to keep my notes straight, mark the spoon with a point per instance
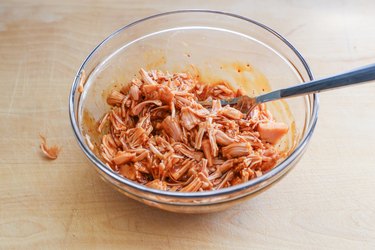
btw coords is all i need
(359, 75)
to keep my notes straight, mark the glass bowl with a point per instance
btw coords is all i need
(217, 46)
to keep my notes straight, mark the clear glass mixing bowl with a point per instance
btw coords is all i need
(221, 46)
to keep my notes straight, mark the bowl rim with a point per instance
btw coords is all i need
(204, 194)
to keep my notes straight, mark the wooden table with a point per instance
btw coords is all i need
(328, 200)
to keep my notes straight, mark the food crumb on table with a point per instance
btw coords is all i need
(49, 152)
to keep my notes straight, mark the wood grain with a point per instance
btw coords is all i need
(328, 201)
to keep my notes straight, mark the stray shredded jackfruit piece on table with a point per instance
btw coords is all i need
(49, 152)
